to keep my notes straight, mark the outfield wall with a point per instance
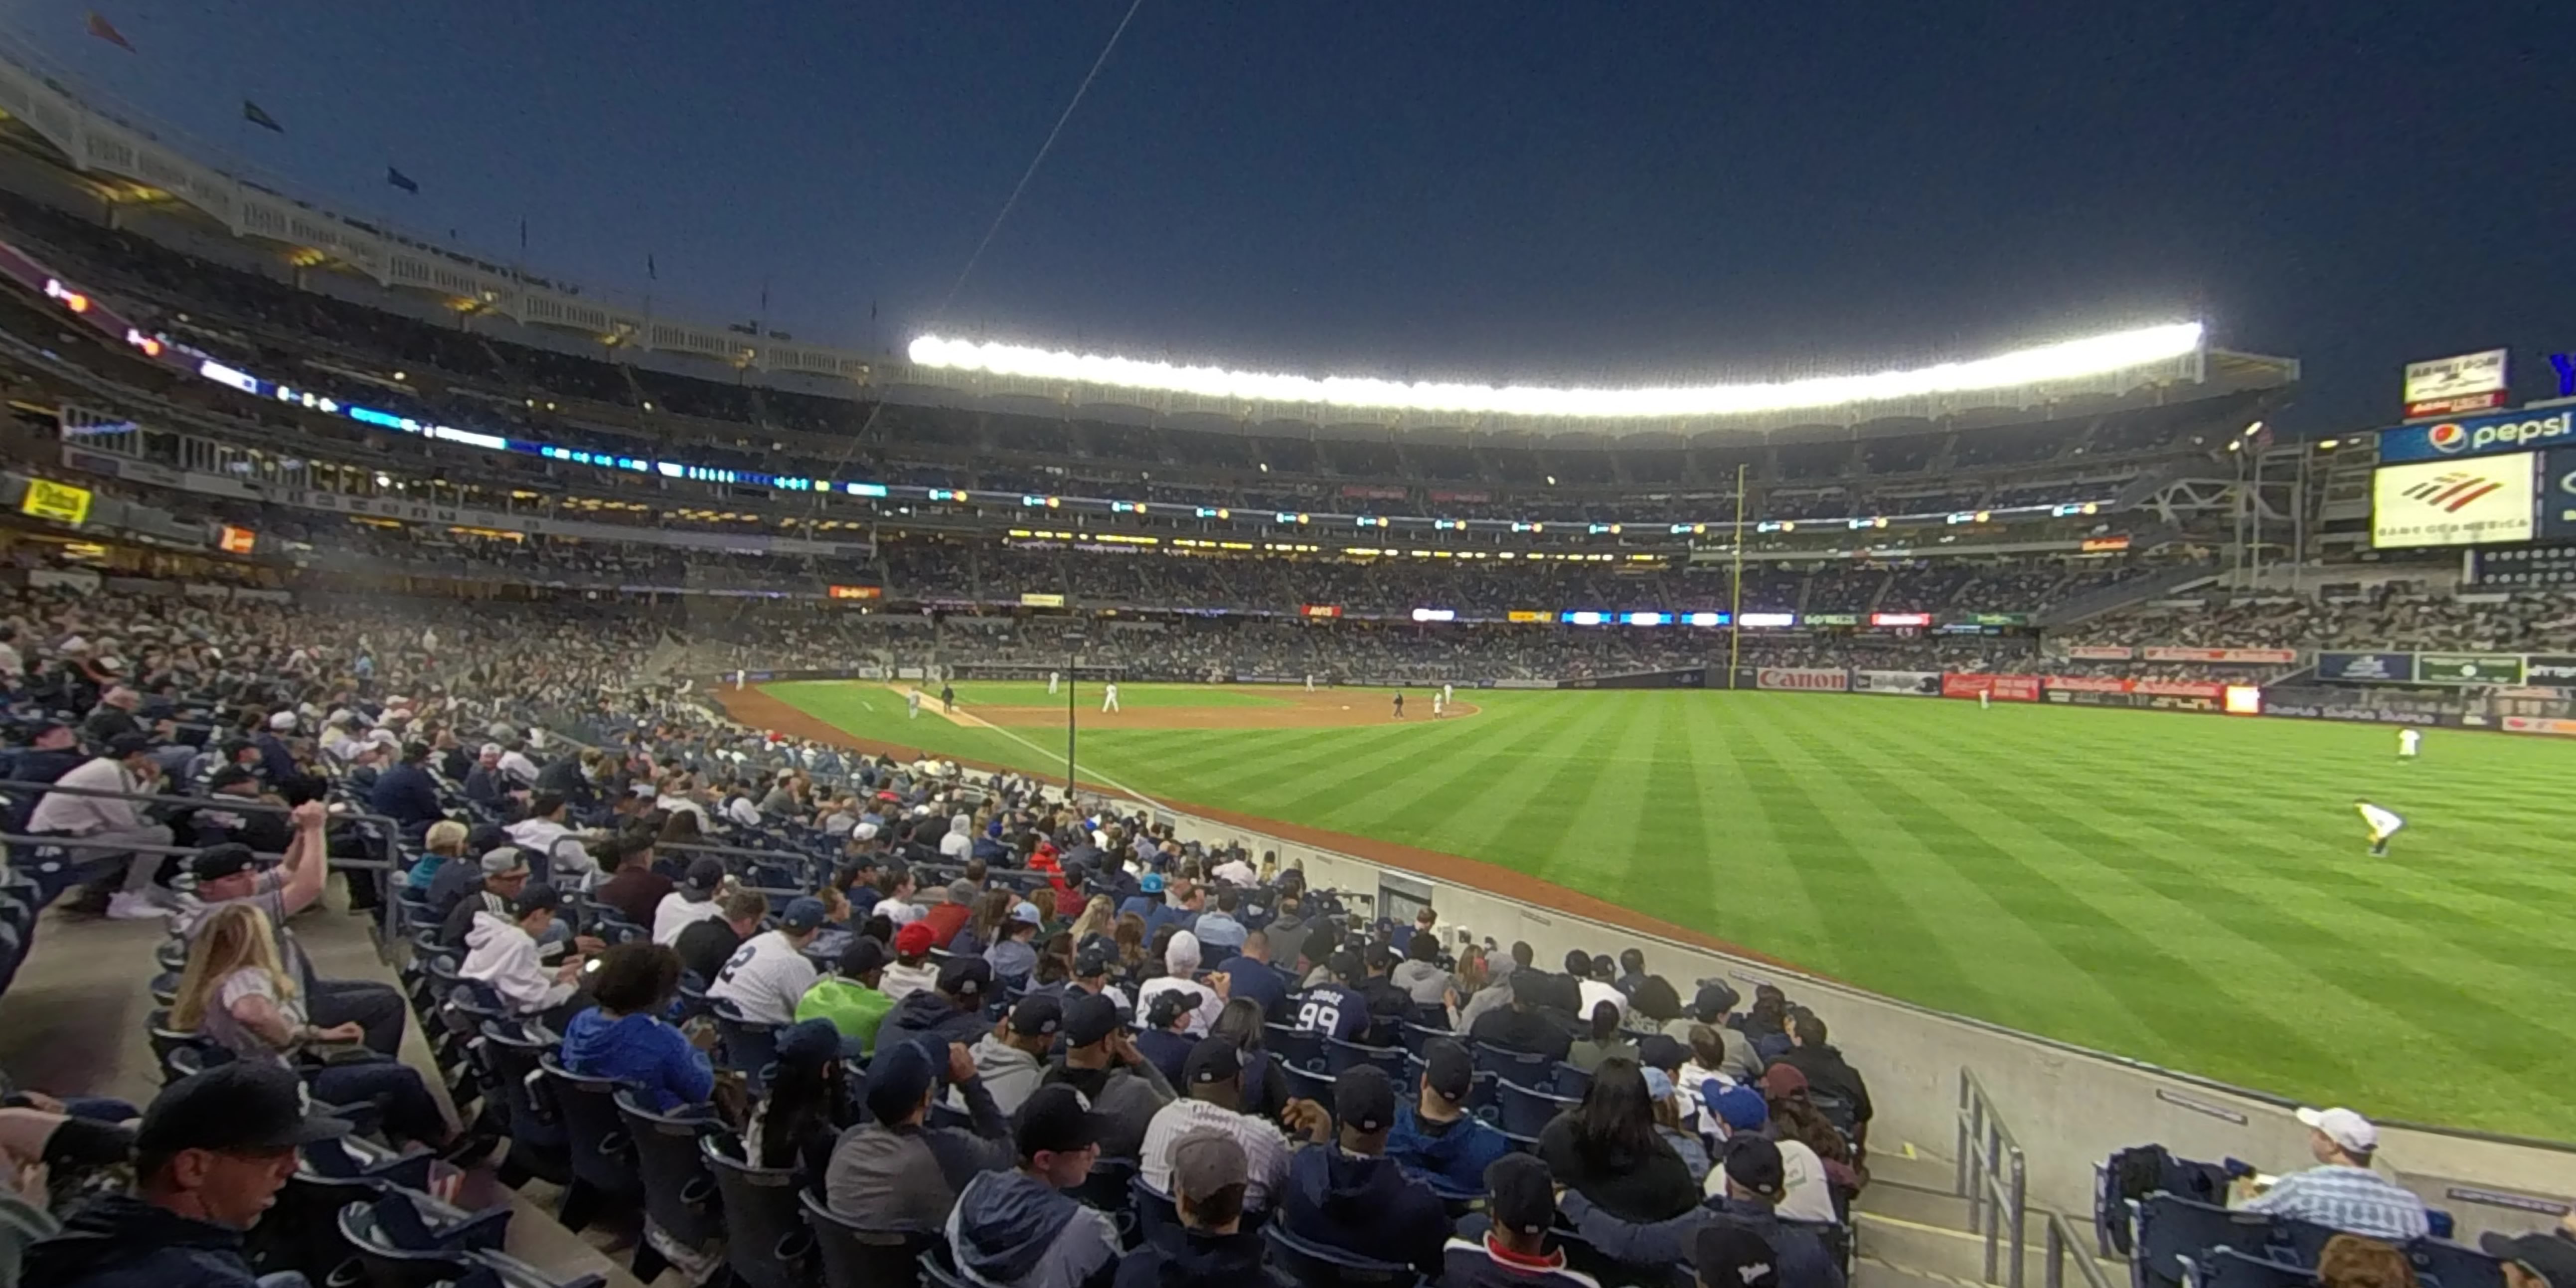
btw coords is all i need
(2070, 1108)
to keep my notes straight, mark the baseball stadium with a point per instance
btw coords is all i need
(515, 782)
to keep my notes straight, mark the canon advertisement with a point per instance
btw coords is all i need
(1811, 679)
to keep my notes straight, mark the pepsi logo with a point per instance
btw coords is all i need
(2447, 436)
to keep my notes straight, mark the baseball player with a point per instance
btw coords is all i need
(912, 703)
(1439, 701)
(1109, 697)
(2409, 740)
(1052, 678)
(2383, 823)
(1399, 704)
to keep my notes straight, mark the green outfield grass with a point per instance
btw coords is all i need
(1022, 693)
(2189, 890)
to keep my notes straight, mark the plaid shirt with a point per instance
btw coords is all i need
(2353, 1199)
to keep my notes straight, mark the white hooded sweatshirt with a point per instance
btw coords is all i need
(500, 954)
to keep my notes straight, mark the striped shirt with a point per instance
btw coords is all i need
(2356, 1200)
(1265, 1150)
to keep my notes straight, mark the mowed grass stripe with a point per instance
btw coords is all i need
(1761, 902)
(1456, 765)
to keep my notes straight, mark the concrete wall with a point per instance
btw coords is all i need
(2069, 1108)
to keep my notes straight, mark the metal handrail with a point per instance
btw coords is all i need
(1993, 1179)
(2062, 1243)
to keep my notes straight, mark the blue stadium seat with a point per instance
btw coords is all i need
(767, 1241)
(1309, 1264)
(856, 1258)
(2174, 1233)
(2454, 1265)
(1527, 1112)
(1340, 1056)
(1297, 1048)
(1515, 1066)
(2229, 1268)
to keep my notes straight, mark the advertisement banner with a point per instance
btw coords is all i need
(1528, 615)
(2557, 670)
(1992, 619)
(2448, 386)
(1463, 498)
(1320, 610)
(2367, 668)
(60, 502)
(1036, 599)
(2453, 503)
(2239, 656)
(1912, 684)
(1900, 619)
(2100, 653)
(854, 592)
(1812, 679)
(2179, 689)
(1365, 492)
(2086, 683)
(2536, 724)
(1833, 619)
(2468, 668)
(2477, 435)
(2558, 495)
(2005, 688)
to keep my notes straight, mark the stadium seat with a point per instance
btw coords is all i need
(679, 1191)
(2454, 1265)
(2173, 1233)
(1308, 1084)
(1295, 1047)
(749, 1049)
(768, 1243)
(1339, 1056)
(1566, 1080)
(387, 1263)
(603, 1156)
(1526, 1112)
(1514, 1066)
(1308, 1264)
(2229, 1268)
(540, 1143)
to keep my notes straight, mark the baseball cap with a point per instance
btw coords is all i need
(1730, 1256)
(1058, 1120)
(1167, 1008)
(1091, 962)
(2344, 1127)
(219, 861)
(1345, 964)
(1026, 911)
(539, 897)
(1088, 1017)
(1740, 1108)
(2548, 1255)
(804, 912)
(1523, 1194)
(967, 978)
(1205, 1160)
(1448, 1070)
(1037, 1015)
(915, 940)
(236, 1108)
(1782, 1080)
(503, 860)
(1152, 883)
(1715, 998)
(1212, 1060)
(1754, 1163)
(704, 876)
(128, 744)
(898, 1078)
(1659, 1084)
(229, 776)
(282, 721)
(863, 955)
(1661, 1051)
(815, 1041)
(1363, 1099)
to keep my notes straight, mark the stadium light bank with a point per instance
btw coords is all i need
(2066, 360)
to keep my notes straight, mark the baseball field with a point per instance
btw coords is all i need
(2185, 889)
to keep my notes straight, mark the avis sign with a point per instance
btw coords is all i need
(2450, 386)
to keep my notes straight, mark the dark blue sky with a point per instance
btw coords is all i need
(1568, 191)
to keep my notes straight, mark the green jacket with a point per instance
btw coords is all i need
(852, 1007)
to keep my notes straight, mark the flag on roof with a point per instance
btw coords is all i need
(257, 115)
(403, 181)
(105, 30)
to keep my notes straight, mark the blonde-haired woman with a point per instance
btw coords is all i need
(1099, 917)
(235, 993)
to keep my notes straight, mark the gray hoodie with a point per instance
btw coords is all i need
(1425, 982)
(1010, 1073)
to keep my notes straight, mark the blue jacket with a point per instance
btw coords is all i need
(1457, 1156)
(406, 795)
(1365, 1204)
(122, 1242)
(642, 1052)
(1804, 1261)
(1256, 980)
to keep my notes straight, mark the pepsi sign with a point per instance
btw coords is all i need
(2511, 431)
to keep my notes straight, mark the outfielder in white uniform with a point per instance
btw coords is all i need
(1109, 697)
(2407, 742)
(1448, 694)
(1439, 702)
(1310, 681)
(2384, 823)
(1052, 677)
(912, 703)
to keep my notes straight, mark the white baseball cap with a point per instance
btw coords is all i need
(2344, 1127)
(282, 720)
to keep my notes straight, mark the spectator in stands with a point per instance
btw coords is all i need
(1201, 1002)
(484, 784)
(707, 944)
(2546, 1260)
(1212, 1099)
(234, 991)
(946, 919)
(1514, 1253)
(224, 876)
(1434, 1134)
(406, 793)
(623, 1035)
(1420, 975)
(1711, 1008)
(128, 766)
(565, 850)
(1018, 1228)
(2351, 1261)
(1218, 928)
(1519, 1026)
(1592, 991)
(1349, 1195)
(769, 974)
(1725, 1256)
(455, 881)
(897, 906)
(952, 1011)
(797, 1122)
(1014, 957)
(633, 888)
(692, 901)
(501, 951)
(1474, 990)
(1102, 1062)
(1210, 1177)
(983, 927)
(1827, 1073)
(1752, 1179)
(1607, 1149)
(912, 970)
(210, 1156)
(1288, 930)
(849, 997)
(1249, 975)
(2341, 1190)
(1669, 1122)
(1013, 1055)
(892, 1172)
(445, 841)
(1816, 1157)
(1603, 1041)
(1766, 1026)
(113, 717)
(1632, 971)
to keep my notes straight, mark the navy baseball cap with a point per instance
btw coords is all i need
(805, 912)
(219, 861)
(815, 1041)
(239, 1108)
(1088, 1017)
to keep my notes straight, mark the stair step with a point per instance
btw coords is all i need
(1908, 1203)
(1946, 1247)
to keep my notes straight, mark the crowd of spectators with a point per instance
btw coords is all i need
(2392, 615)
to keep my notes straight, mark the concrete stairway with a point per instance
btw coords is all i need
(1911, 1231)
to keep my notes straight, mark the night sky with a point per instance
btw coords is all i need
(1564, 191)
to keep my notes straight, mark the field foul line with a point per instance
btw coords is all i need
(973, 721)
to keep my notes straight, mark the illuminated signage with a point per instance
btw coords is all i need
(1900, 619)
(1527, 615)
(1322, 610)
(60, 502)
(1707, 619)
(1833, 619)
(2098, 545)
(1646, 619)
(1769, 619)
(856, 592)
(1435, 614)
(1034, 600)
(235, 541)
(1583, 617)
